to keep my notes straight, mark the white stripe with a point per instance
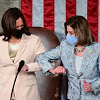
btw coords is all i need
(60, 18)
(99, 23)
(81, 8)
(37, 13)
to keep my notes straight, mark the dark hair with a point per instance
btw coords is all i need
(8, 23)
(81, 29)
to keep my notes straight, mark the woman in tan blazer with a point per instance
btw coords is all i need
(16, 44)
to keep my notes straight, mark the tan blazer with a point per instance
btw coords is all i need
(26, 84)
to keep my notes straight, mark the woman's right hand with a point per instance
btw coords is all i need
(58, 70)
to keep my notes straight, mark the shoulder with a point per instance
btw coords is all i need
(33, 39)
(95, 46)
(65, 43)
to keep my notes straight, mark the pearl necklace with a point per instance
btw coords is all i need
(78, 49)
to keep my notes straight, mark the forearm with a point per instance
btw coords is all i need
(32, 67)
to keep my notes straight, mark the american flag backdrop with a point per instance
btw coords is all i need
(52, 14)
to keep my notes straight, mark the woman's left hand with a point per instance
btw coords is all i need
(87, 87)
(24, 68)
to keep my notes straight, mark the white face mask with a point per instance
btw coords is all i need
(71, 40)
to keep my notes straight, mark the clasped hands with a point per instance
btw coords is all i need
(61, 70)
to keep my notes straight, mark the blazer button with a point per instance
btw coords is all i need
(78, 77)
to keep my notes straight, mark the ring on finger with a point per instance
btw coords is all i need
(86, 88)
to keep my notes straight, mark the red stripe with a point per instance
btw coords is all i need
(26, 8)
(70, 8)
(92, 16)
(49, 14)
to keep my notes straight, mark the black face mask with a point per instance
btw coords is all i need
(18, 33)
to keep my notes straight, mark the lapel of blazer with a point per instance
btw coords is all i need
(6, 51)
(88, 56)
(69, 57)
(22, 48)
(71, 60)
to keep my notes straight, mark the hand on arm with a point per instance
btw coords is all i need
(58, 70)
(87, 87)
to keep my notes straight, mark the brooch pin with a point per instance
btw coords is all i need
(90, 52)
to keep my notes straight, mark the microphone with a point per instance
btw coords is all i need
(21, 64)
